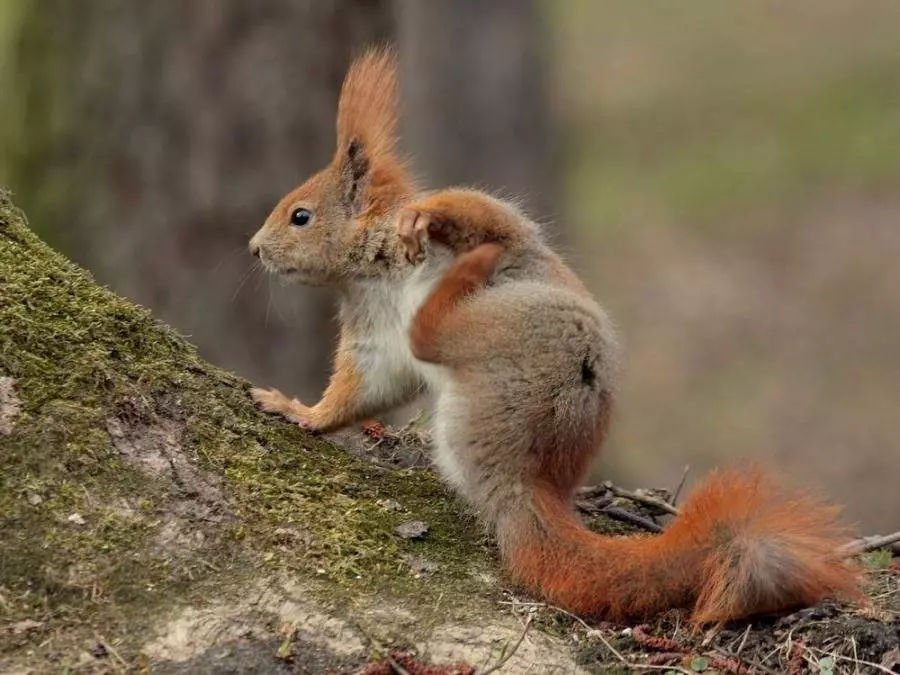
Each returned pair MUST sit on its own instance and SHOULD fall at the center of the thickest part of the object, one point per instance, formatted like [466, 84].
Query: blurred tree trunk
[154, 138]
[479, 110]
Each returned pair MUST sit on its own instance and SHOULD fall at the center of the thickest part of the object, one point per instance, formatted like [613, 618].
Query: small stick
[109, 648]
[591, 491]
[869, 544]
[594, 505]
[635, 666]
[674, 498]
[641, 499]
[858, 662]
[396, 666]
[743, 640]
[631, 518]
[506, 657]
[593, 632]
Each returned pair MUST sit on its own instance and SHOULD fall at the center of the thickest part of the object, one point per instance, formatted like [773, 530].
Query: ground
[150, 516]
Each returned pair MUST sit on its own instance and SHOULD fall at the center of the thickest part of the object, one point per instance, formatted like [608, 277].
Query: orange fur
[467, 274]
[367, 110]
[367, 116]
[739, 548]
[463, 219]
[338, 406]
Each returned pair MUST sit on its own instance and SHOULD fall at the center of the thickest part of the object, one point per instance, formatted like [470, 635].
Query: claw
[270, 400]
[273, 401]
[412, 228]
[306, 425]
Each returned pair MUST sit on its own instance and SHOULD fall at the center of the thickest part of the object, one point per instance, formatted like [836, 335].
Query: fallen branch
[869, 544]
[631, 518]
[597, 502]
[640, 498]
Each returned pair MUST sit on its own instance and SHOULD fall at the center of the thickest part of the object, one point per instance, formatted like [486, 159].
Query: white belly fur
[383, 317]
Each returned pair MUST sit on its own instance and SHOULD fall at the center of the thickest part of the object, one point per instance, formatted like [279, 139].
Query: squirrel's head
[319, 233]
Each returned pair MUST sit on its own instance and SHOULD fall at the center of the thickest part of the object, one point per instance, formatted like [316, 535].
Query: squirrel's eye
[301, 217]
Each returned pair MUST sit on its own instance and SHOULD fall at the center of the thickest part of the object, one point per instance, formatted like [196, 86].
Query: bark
[479, 109]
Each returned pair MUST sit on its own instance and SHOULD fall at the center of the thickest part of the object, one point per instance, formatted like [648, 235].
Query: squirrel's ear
[354, 169]
[366, 120]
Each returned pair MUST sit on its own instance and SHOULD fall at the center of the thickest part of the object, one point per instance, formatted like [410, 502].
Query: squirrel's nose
[254, 249]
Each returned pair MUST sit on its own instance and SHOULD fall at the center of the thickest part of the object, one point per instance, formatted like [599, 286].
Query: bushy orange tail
[740, 547]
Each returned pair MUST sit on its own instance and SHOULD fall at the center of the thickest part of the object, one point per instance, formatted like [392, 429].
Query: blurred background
[725, 176]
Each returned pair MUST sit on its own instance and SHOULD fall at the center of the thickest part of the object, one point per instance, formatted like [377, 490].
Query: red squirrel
[457, 292]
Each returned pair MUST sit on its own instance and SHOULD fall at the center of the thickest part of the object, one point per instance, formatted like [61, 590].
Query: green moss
[278, 498]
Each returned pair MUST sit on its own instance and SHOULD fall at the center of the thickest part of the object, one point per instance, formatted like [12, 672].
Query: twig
[593, 506]
[641, 499]
[506, 657]
[109, 648]
[591, 492]
[597, 502]
[392, 662]
[743, 640]
[396, 666]
[852, 660]
[869, 544]
[635, 666]
[593, 632]
[673, 500]
[632, 518]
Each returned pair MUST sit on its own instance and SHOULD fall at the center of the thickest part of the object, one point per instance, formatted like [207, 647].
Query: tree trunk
[156, 136]
[479, 110]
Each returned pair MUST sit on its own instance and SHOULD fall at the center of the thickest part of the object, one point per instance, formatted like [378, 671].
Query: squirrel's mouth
[273, 268]
[294, 275]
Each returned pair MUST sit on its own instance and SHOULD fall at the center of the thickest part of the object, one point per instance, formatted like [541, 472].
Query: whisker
[229, 256]
[253, 268]
[278, 309]
[259, 281]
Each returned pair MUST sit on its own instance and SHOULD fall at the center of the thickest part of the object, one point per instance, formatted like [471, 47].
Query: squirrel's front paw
[273, 401]
[412, 229]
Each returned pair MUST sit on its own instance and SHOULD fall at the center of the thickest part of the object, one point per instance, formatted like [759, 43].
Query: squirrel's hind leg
[437, 317]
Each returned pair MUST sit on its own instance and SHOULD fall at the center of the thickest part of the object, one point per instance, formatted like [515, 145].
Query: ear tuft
[367, 111]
